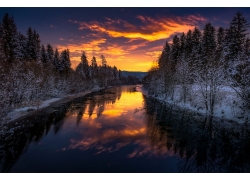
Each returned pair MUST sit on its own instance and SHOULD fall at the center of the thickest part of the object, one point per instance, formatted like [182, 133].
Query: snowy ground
[38, 105]
[228, 107]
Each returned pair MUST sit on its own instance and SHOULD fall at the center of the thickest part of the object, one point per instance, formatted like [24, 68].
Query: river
[121, 130]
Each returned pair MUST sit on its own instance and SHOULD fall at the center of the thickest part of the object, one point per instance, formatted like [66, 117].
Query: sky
[130, 38]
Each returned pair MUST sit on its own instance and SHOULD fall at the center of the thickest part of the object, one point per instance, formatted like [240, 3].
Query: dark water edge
[206, 144]
[177, 140]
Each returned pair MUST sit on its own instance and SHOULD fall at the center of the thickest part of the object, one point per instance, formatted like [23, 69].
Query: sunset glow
[130, 38]
[97, 132]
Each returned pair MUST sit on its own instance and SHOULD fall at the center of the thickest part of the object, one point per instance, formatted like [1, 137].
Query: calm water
[120, 130]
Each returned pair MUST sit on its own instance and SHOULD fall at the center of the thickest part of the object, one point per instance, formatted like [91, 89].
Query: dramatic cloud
[150, 30]
[129, 46]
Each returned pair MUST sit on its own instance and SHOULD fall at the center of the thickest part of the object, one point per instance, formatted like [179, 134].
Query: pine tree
[164, 59]
[30, 46]
[33, 45]
[50, 53]
[236, 36]
[235, 41]
[182, 44]
[20, 53]
[8, 38]
[67, 61]
[188, 44]
[93, 62]
[196, 50]
[37, 45]
[208, 46]
[220, 42]
[85, 64]
[44, 58]
[104, 61]
[64, 61]
[175, 52]
[56, 61]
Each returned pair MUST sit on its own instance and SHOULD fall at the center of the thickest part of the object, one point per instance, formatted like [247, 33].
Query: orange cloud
[154, 54]
[151, 30]
[129, 46]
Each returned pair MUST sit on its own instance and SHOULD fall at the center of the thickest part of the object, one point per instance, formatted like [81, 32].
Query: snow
[141, 89]
[228, 108]
[38, 105]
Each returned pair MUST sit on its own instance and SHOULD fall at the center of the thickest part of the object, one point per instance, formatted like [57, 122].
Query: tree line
[206, 60]
[31, 72]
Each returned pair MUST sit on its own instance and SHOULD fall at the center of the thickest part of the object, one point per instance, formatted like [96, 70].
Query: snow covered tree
[209, 75]
[236, 35]
[166, 74]
[20, 55]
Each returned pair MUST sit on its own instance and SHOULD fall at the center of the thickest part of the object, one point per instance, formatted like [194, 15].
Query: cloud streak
[138, 41]
[151, 29]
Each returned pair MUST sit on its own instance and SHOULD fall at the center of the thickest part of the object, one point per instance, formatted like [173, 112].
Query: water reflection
[203, 143]
[120, 130]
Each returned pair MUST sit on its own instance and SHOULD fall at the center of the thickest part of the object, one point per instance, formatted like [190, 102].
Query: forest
[206, 70]
[31, 72]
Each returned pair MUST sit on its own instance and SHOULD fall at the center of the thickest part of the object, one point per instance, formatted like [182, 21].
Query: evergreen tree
[93, 62]
[164, 58]
[220, 41]
[196, 49]
[188, 44]
[85, 64]
[33, 45]
[104, 61]
[37, 45]
[64, 65]
[8, 38]
[175, 52]
[182, 44]
[30, 46]
[56, 61]
[50, 53]
[236, 35]
[208, 46]
[21, 47]
[94, 67]
[44, 58]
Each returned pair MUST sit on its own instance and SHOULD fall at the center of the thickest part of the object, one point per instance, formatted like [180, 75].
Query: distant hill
[137, 74]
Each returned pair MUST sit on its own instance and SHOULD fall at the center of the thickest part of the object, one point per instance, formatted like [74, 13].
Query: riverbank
[227, 109]
[40, 105]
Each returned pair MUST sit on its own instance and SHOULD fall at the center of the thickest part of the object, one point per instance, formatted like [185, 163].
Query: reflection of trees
[20, 133]
[92, 105]
[80, 113]
[203, 144]
[105, 97]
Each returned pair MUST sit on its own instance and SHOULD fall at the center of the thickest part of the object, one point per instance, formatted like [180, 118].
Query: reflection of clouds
[117, 123]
